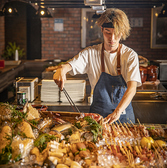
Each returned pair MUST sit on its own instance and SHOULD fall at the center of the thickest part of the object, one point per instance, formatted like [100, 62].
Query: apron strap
[118, 59]
[102, 59]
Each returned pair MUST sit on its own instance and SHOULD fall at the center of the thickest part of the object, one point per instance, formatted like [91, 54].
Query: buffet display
[76, 88]
[31, 137]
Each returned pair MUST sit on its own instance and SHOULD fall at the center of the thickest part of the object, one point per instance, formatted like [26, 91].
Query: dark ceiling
[108, 3]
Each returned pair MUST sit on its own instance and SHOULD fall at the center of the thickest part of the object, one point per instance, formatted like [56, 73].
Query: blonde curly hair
[119, 20]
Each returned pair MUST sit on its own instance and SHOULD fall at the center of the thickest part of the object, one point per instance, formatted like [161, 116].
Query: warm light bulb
[10, 10]
[42, 12]
[163, 12]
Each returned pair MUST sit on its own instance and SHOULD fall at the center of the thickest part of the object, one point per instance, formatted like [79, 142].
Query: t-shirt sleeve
[79, 63]
[133, 72]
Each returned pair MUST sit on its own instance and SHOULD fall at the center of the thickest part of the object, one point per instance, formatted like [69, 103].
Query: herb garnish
[96, 128]
[6, 154]
[41, 141]
[78, 125]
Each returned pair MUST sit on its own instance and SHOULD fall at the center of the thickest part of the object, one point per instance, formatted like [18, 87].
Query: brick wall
[140, 37]
[66, 44]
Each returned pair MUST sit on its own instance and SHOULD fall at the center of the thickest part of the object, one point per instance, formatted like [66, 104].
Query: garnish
[17, 116]
[34, 123]
[78, 125]
[6, 154]
[82, 149]
[96, 128]
[41, 141]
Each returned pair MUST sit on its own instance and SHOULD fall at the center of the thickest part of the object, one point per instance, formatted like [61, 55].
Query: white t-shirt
[89, 61]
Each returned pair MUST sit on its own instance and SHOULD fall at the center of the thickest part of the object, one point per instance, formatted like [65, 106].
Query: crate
[32, 82]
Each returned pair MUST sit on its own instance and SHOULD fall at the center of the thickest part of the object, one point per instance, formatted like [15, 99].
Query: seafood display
[34, 138]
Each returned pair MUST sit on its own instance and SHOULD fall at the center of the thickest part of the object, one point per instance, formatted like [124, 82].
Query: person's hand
[112, 117]
[59, 77]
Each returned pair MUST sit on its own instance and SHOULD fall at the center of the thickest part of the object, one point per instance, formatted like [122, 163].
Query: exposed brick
[66, 44]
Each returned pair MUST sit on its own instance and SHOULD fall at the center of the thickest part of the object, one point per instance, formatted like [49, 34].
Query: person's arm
[60, 75]
[126, 99]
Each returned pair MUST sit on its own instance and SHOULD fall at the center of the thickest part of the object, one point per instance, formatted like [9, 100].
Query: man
[112, 68]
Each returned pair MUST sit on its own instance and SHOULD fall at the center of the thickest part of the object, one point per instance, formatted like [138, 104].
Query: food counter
[58, 137]
[149, 103]
[48, 139]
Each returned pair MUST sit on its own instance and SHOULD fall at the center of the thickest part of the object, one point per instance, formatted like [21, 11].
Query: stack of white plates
[75, 88]
[49, 91]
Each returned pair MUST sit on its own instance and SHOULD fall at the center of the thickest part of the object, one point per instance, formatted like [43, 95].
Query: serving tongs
[74, 107]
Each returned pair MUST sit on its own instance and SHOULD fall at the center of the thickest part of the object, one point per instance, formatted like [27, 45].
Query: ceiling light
[99, 7]
[8, 10]
[43, 12]
[93, 2]
[163, 12]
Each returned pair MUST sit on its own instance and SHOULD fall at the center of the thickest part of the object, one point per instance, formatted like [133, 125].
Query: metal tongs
[74, 107]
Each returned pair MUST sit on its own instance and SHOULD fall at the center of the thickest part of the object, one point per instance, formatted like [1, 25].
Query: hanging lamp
[43, 12]
[9, 10]
[163, 12]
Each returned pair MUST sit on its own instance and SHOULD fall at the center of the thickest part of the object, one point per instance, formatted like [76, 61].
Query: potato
[150, 139]
[56, 154]
[27, 129]
[62, 166]
[74, 148]
[81, 145]
[160, 143]
[84, 154]
[145, 143]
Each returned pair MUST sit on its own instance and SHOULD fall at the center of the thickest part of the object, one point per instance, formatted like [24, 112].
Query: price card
[58, 25]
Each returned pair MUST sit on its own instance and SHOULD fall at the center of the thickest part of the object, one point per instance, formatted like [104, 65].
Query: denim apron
[109, 91]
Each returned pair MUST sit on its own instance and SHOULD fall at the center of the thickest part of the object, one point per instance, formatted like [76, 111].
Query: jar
[152, 73]
[143, 73]
[152, 77]
[152, 69]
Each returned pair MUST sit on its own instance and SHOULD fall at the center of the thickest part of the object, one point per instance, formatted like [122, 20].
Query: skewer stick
[115, 133]
[134, 127]
[108, 145]
[111, 140]
[132, 123]
[118, 127]
[122, 150]
[158, 157]
[125, 148]
[128, 124]
[138, 121]
[123, 128]
[129, 146]
[115, 145]
[128, 130]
